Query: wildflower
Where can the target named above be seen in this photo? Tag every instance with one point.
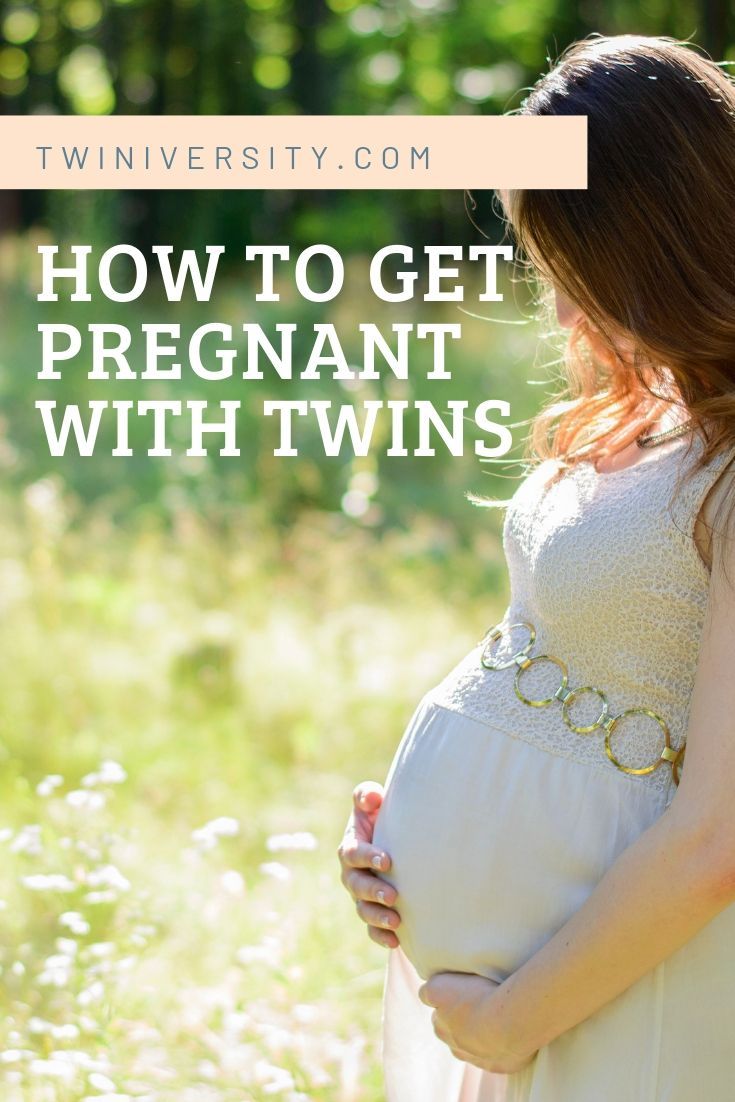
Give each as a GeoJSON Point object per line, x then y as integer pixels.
{"type": "Point", "coordinates": [207, 836]}
{"type": "Point", "coordinates": [109, 772]}
{"type": "Point", "coordinates": [56, 971]}
{"type": "Point", "coordinates": [273, 1080]}
{"type": "Point", "coordinates": [107, 895]}
{"type": "Point", "coordinates": [67, 945]}
{"type": "Point", "coordinates": [304, 1013]}
{"type": "Point", "coordinates": [86, 801]}
{"type": "Point", "coordinates": [27, 840]}
{"type": "Point", "coordinates": [267, 952]}
{"type": "Point", "coordinates": [232, 882]}
{"type": "Point", "coordinates": [58, 1069]}
{"type": "Point", "coordinates": [15, 1055]}
{"type": "Point", "coordinates": [68, 1031]}
{"type": "Point", "coordinates": [101, 1082]}
{"type": "Point", "coordinates": [276, 870]}
{"type": "Point", "coordinates": [75, 922]}
{"type": "Point", "coordinates": [108, 876]}
{"type": "Point", "coordinates": [49, 882]}
{"type": "Point", "coordinates": [302, 839]}
{"type": "Point", "coordinates": [91, 994]}
{"type": "Point", "coordinates": [46, 786]}
{"type": "Point", "coordinates": [101, 949]}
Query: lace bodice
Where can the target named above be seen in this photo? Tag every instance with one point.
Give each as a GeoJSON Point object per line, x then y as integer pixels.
{"type": "Point", "coordinates": [606, 568]}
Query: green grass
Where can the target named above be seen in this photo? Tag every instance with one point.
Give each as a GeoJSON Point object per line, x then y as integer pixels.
{"type": "Point", "coordinates": [236, 678]}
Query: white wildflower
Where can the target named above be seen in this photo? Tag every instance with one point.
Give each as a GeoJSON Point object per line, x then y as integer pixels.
{"type": "Point", "coordinates": [108, 876]}
{"type": "Point", "coordinates": [101, 949]}
{"type": "Point", "coordinates": [232, 882]}
{"type": "Point", "coordinates": [91, 994]}
{"type": "Point", "coordinates": [302, 839]}
{"type": "Point", "coordinates": [38, 1025]}
{"type": "Point", "coordinates": [273, 1080]}
{"type": "Point", "coordinates": [67, 945]}
{"type": "Point", "coordinates": [85, 800]}
{"type": "Point", "coordinates": [101, 1082]}
{"type": "Point", "coordinates": [81, 1059]}
{"type": "Point", "coordinates": [107, 895]}
{"type": "Point", "coordinates": [109, 772]}
{"type": "Point", "coordinates": [75, 922]}
{"type": "Point", "coordinates": [92, 853]}
{"type": "Point", "coordinates": [58, 1069]}
{"type": "Point", "coordinates": [15, 1055]}
{"type": "Point", "coordinates": [46, 786]}
{"type": "Point", "coordinates": [56, 971]}
{"type": "Point", "coordinates": [48, 882]}
{"type": "Point", "coordinates": [304, 1013]}
{"type": "Point", "coordinates": [276, 870]}
{"type": "Point", "coordinates": [267, 952]}
{"type": "Point", "coordinates": [68, 1031]}
{"type": "Point", "coordinates": [27, 840]}
{"type": "Point", "coordinates": [223, 827]}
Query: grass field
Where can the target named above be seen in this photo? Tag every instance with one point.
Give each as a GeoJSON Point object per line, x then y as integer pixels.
{"type": "Point", "coordinates": [185, 712]}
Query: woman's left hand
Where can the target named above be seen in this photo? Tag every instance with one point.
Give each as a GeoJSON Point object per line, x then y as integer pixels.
{"type": "Point", "coordinates": [468, 1018]}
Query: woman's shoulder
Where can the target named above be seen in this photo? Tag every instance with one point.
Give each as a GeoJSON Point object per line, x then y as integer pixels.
{"type": "Point", "coordinates": [708, 490]}
{"type": "Point", "coordinates": [716, 505]}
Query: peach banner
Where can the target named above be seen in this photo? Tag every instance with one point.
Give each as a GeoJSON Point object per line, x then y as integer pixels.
{"type": "Point", "coordinates": [293, 151]}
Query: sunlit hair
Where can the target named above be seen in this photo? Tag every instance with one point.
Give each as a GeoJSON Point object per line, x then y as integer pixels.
{"type": "Point", "coordinates": [647, 252]}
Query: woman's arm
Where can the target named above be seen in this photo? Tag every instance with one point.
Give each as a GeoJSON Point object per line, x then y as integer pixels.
{"type": "Point", "coordinates": [657, 895]}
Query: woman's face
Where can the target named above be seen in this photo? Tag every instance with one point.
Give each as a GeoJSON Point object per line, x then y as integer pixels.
{"type": "Point", "coordinates": [568, 314]}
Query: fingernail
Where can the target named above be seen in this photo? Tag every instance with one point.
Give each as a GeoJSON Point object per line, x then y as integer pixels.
{"type": "Point", "coordinates": [381, 895]}
{"type": "Point", "coordinates": [378, 860]}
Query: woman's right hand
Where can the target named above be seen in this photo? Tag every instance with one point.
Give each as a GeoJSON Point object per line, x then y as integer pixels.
{"type": "Point", "coordinates": [361, 862]}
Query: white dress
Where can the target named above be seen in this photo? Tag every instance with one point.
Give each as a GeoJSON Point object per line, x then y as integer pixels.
{"type": "Point", "coordinates": [500, 819]}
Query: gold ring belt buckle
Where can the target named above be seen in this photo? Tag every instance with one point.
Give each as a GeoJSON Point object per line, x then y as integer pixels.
{"type": "Point", "coordinates": [523, 660]}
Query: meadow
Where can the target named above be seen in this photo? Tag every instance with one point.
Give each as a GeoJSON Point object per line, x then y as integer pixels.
{"type": "Point", "coordinates": [200, 661]}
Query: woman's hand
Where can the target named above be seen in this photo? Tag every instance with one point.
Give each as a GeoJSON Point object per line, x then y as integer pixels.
{"type": "Point", "coordinates": [361, 861]}
{"type": "Point", "coordinates": [468, 1018]}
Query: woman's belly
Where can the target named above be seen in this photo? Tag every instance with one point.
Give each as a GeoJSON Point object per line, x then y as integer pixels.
{"type": "Point", "coordinates": [495, 842]}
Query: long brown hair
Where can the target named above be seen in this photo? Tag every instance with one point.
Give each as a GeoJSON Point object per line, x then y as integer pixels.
{"type": "Point", "coordinates": [647, 251]}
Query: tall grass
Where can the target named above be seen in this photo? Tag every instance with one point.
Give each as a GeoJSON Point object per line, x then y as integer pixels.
{"type": "Point", "coordinates": [185, 712]}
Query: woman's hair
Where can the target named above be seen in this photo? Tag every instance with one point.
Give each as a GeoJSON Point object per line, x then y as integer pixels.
{"type": "Point", "coordinates": [647, 252]}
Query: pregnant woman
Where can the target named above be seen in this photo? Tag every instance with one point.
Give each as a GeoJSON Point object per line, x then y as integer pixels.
{"type": "Point", "coordinates": [556, 885]}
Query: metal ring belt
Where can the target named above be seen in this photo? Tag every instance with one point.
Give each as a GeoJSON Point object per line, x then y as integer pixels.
{"type": "Point", "coordinates": [566, 697]}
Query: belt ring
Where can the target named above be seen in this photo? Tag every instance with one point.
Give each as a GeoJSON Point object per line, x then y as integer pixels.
{"type": "Point", "coordinates": [494, 634]}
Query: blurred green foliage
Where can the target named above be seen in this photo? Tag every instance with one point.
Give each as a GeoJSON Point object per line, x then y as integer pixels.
{"type": "Point", "coordinates": [261, 57]}
{"type": "Point", "coordinates": [494, 359]}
